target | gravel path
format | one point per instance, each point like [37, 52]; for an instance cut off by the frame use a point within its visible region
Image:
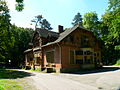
[95, 81]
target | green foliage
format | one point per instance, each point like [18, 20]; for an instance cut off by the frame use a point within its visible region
[117, 63]
[19, 1]
[113, 4]
[90, 21]
[110, 32]
[2, 88]
[36, 70]
[20, 41]
[111, 25]
[117, 47]
[41, 22]
[4, 30]
[19, 5]
[67, 28]
[77, 20]
[13, 40]
[45, 24]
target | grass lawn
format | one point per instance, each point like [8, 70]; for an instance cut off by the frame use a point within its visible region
[11, 79]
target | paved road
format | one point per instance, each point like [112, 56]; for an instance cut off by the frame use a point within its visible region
[109, 80]
[95, 81]
[45, 81]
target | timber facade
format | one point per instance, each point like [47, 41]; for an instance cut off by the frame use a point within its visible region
[76, 48]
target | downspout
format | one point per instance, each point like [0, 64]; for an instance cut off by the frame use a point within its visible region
[25, 60]
[60, 53]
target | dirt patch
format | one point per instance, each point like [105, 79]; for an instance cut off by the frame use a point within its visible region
[27, 83]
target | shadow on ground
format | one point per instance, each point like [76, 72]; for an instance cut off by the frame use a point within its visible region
[13, 74]
[99, 70]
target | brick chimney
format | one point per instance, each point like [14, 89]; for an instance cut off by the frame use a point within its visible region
[60, 29]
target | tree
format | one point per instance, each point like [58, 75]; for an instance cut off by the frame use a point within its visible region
[13, 40]
[77, 20]
[90, 21]
[117, 47]
[41, 22]
[4, 30]
[111, 20]
[110, 32]
[19, 5]
[45, 24]
[4, 15]
[37, 20]
[21, 38]
[113, 4]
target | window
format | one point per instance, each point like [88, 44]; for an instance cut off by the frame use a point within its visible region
[80, 52]
[95, 60]
[50, 56]
[95, 54]
[87, 61]
[91, 57]
[31, 59]
[79, 57]
[70, 39]
[72, 57]
[85, 41]
[79, 61]
[98, 54]
[87, 53]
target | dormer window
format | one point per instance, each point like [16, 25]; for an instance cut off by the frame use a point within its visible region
[85, 41]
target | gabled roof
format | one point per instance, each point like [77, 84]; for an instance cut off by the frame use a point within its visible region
[28, 50]
[45, 33]
[65, 34]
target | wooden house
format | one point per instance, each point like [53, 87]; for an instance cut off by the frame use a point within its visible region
[75, 48]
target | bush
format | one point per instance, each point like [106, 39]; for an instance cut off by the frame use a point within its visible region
[27, 68]
[50, 70]
[118, 62]
[36, 70]
[2, 88]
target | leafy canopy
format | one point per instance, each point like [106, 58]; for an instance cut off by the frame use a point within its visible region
[113, 4]
[41, 22]
[90, 21]
[77, 20]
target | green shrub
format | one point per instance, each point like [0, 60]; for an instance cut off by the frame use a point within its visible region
[118, 62]
[2, 88]
[51, 70]
[36, 70]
